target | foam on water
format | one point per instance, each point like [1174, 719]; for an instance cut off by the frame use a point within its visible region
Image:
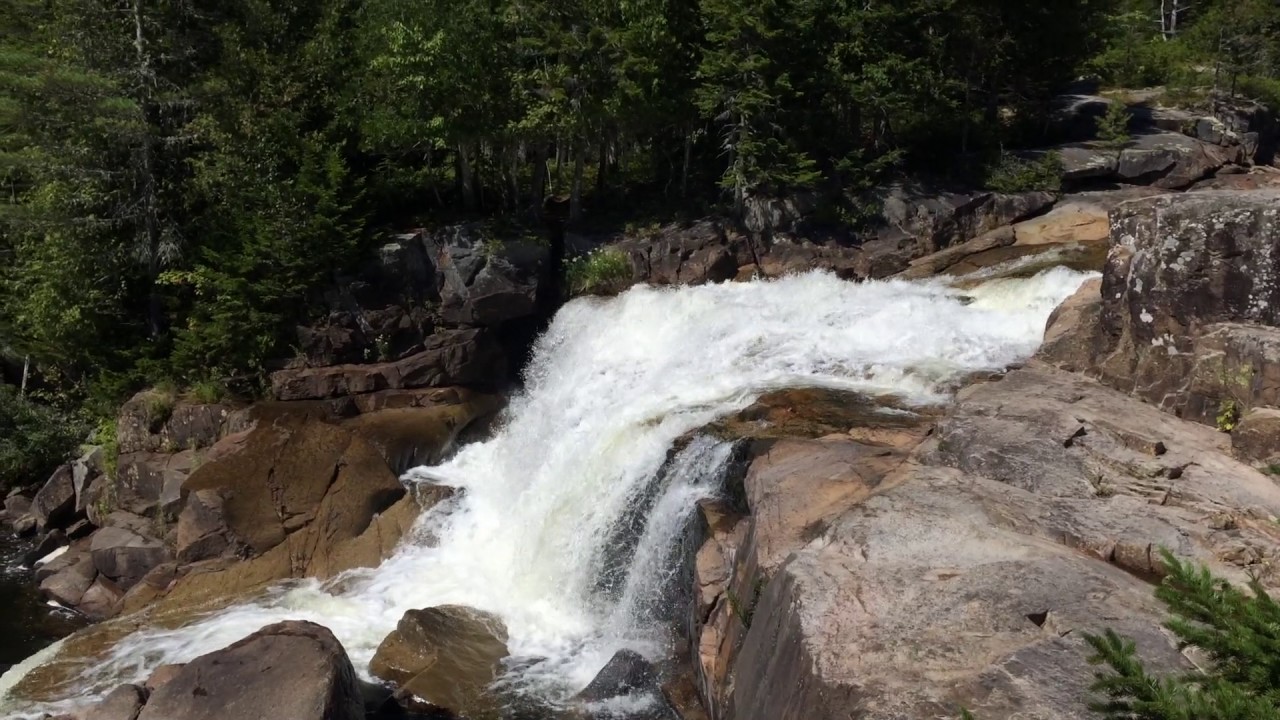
[612, 385]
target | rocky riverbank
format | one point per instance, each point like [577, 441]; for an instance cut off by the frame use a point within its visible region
[869, 558]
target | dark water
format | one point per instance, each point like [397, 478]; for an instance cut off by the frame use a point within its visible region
[27, 624]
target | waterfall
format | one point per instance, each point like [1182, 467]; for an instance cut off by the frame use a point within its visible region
[612, 386]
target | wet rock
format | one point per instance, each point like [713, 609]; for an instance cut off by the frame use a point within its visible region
[51, 541]
[125, 556]
[72, 556]
[1256, 440]
[627, 672]
[287, 670]
[54, 505]
[123, 703]
[24, 525]
[445, 655]
[1069, 335]
[161, 676]
[451, 357]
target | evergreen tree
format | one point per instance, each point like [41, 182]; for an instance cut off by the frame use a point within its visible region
[1238, 630]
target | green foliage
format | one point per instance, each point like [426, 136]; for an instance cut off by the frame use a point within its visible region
[1012, 174]
[34, 439]
[158, 404]
[1113, 127]
[207, 391]
[601, 270]
[1228, 415]
[105, 436]
[1238, 630]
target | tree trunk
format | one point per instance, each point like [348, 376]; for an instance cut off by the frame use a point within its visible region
[539, 179]
[26, 372]
[602, 168]
[688, 159]
[149, 201]
[575, 195]
[466, 177]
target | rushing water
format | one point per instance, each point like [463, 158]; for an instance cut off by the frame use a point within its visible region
[612, 386]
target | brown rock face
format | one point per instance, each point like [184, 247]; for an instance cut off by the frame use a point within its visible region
[54, 504]
[150, 423]
[445, 655]
[1069, 332]
[468, 356]
[287, 670]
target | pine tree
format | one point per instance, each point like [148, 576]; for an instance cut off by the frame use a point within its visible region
[1238, 630]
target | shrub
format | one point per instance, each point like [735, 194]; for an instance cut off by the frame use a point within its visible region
[600, 270]
[207, 392]
[158, 402]
[34, 439]
[1113, 127]
[1240, 632]
[1012, 174]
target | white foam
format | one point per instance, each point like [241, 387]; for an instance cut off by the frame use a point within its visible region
[612, 385]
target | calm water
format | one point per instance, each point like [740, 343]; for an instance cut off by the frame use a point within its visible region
[27, 624]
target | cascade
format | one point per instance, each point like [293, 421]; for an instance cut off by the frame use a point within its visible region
[613, 385]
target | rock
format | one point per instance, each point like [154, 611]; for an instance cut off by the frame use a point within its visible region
[451, 357]
[940, 219]
[54, 505]
[17, 505]
[485, 279]
[626, 673]
[100, 600]
[1183, 272]
[25, 525]
[161, 676]
[445, 655]
[84, 469]
[1069, 332]
[962, 572]
[67, 585]
[80, 529]
[74, 554]
[51, 541]
[409, 437]
[1256, 179]
[701, 252]
[287, 670]
[202, 532]
[764, 215]
[1157, 158]
[151, 483]
[125, 556]
[1256, 440]
[152, 422]
[123, 703]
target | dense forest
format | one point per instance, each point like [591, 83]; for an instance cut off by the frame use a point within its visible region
[179, 177]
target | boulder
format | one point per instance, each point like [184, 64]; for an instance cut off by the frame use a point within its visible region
[485, 279]
[1157, 158]
[151, 483]
[469, 356]
[101, 600]
[125, 556]
[626, 673]
[202, 532]
[445, 655]
[701, 252]
[1183, 273]
[69, 580]
[73, 556]
[123, 703]
[17, 505]
[155, 422]
[84, 469]
[287, 670]
[161, 675]
[1069, 332]
[1256, 440]
[54, 505]
[51, 541]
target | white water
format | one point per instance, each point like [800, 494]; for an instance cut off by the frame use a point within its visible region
[613, 384]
